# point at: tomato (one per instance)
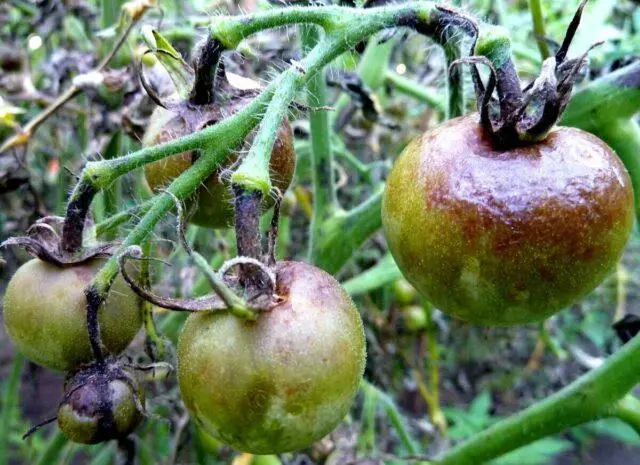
(98, 408)
(214, 200)
(404, 292)
(503, 237)
(45, 313)
(415, 318)
(281, 382)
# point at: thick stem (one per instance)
(494, 44)
(334, 248)
(77, 209)
(206, 70)
(382, 273)
(593, 396)
(455, 83)
(248, 237)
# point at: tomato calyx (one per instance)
(523, 116)
(43, 240)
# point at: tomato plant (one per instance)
(337, 327)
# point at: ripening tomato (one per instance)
(503, 237)
(214, 199)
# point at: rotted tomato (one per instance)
(503, 236)
(281, 382)
(214, 202)
(99, 406)
(45, 313)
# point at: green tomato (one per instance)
(45, 314)
(506, 236)
(403, 290)
(415, 318)
(281, 382)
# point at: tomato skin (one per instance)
(45, 314)
(279, 383)
(506, 237)
(83, 419)
(214, 199)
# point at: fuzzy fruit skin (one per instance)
(45, 314)
(503, 238)
(215, 202)
(99, 411)
(284, 381)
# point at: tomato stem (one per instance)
(77, 209)
(248, 236)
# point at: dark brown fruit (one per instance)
(506, 237)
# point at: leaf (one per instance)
(615, 429)
(180, 72)
(536, 453)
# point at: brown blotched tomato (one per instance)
(283, 381)
(98, 407)
(214, 200)
(45, 313)
(509, 236)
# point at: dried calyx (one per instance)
(44, 240)
(522, 115)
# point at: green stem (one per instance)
(395, 417)
(122, 217)
(334, 248)
(322, 172)
(382, 273)
(628, 410)
(156, 346)
(455, 83)
(538, 28)
(593, 396)
(415, 90)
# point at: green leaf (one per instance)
(180, 72)
(536, 453)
